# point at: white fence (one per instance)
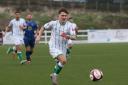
(96, 36)
(85, 36)
(81, 37)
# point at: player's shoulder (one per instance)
(69, 22)
(74, 25)
(34, 22)
(13, 20)
(52, 22)
(22, 19)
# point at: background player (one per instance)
(70, 43)
(17, 25)
(29, 37)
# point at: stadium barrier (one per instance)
(85, 36)
(81, 37)
(96, 36)
(108, 36)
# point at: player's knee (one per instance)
(63, 62)
(28, 49)
(62, 59)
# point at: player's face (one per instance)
(29, 17)
(63, 17)
(17, 15)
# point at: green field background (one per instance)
(112, 59)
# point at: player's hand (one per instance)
(22, 27)
(64, 35)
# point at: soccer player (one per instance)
(61, 32)
(29, 37)
(17, 25)
(70, 43)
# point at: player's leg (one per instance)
(11, 49)
(27, 50)
(29, 45)
(18, 43)
(28, 54)
(30, 50)
(61, 61)
(19, 52)
(58, 67)
(69, 47)
(14, 53)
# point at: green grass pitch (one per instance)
(111, 58)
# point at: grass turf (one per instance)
(110, 58)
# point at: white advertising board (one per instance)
(108, 36)
(8, 38)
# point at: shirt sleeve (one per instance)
(24, 23)
(10, 23)
(72, 29)
(48, 25)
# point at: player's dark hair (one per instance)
(17, 12)
(63, 10)
(70, 17)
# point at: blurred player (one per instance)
(70, 43)
(29, 37)
(62, 31)
(17, 25)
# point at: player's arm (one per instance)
(76, 29)
(72, 37)
(73, 32)
(23, 26)
(40, 34)
(36, 32)
(45, 27)
(7, 28)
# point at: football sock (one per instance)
(19, 54)
(10, 49)
(69, 50)
(28, 54)
(58, 67)
(14, 48)
(31, 52)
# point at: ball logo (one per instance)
(96, 74)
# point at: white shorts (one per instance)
(18, 40)
(70, 42)
(55, 52)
